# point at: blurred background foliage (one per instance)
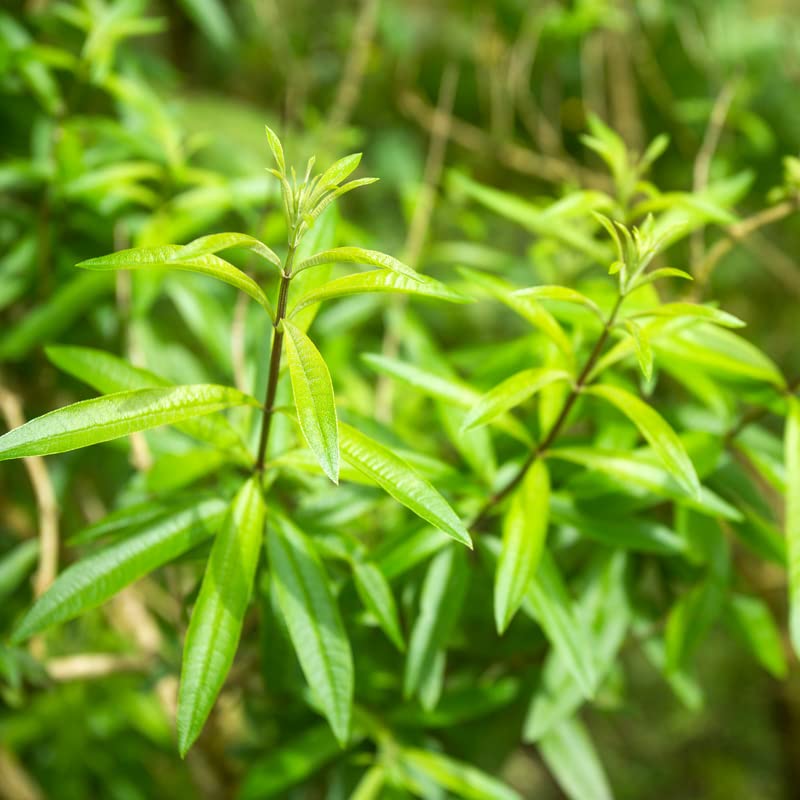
(126, 122)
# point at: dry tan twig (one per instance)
(94, 665)
(15, 783)
(46, 502)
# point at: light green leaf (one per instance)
(461, 779)
(104, 418)
(289, 764)
(562, 293)
(16, 564)
(755, 625)
(377, 597)
(792, 517)
(313, 397)
(175, 257)
(358, 255)
(397, 478)
(218, 614)
(549, 603)
(217, 242)
(108, 373)
(446, 389)
(524, 532)
(694, 311)
(92, 580)
(440, 603)
(337, 193)
(371, 784)
(510, 393)
(657, 275)
(276, 148)
(655, 430)
(378, 281)
(334, 175)
(527, 307)
(644, 352)
(571, 756)
(46, 321)
(313, 620)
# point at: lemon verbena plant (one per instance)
(248, 501)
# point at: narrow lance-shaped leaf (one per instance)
(335, 174)
(379, 281)
(218, 614)
(313, 397)
(276, 148)
(358, 255)
(571, 756)
(524, 532)
(439, 607)
(216, 242)
(397, 478)
(563, 294)
(312, 617)
(644, 352)
(656, 431)
(449, 390)
(377, 597)
(104, 418)
(692, 310)
(108, 373)
(510, 393)
(176, 257)
(792, 517)
(463, 780)
(753, 622)
(92, 580)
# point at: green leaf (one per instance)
(644, 352)
(524, 532)
(92, 580)
(313, 397)
(358, 255)
(313, 620)
(377, 597)
(16, 564)
(48, 320)
(571, 756)
(176, 257)
(656, 431)
(527, 307)
(378, 281)
(442, 595)
(397, 478)
(657, 275)
(276, 148)
(461, 779)
(563, 294)
(104, 418)
(218, 614)
(218, 242)
(338, 171)
(336, 194)
(108, 373)
(449, 390)
(213, 19)
(371, 784)
(548, 602)
(510, 393)
(289, 764)
(692, 311)
(792, 517)
(753, 622)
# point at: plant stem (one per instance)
(557, 426)
(275, 359)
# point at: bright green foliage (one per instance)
(314, 624)
(218, 614)
(548, 372)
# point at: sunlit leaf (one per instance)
(216, 623)
(313, 397)
(397, 478)
(104, 418)
(524, 532)
(358, 255)
(655, 430)
(312, 618)
(92, 580)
